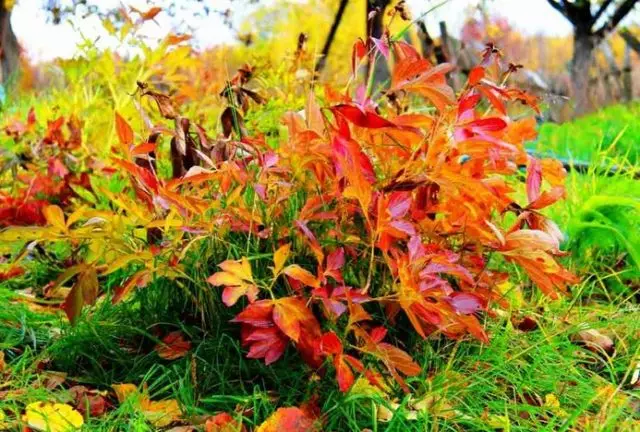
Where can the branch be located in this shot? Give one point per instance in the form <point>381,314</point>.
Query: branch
<point>332,33</point>
<point>631,40</point>
<point>557,6</point>
<point>603,8</point>
<point>620,13</point>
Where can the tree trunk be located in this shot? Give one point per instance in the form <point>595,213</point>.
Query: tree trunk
<point>9,48</point>
<point>332,34</point>
<point>375,28</point>
<point>584,44</point>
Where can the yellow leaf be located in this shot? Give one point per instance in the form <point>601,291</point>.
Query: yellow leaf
<point>362,387</point>
<point>158,413</point>
<point>162,413</point>
<point>3,365</point>
<point>55,217</point>
<point>280,257</point>
<point>27,233</point>
<point>52,417</point>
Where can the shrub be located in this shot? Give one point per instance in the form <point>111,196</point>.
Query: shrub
<point>361,220</point>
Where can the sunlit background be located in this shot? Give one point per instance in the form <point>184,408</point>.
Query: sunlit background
<point>44,40</point>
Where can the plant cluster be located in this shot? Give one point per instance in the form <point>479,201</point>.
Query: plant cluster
<point>360,227</point>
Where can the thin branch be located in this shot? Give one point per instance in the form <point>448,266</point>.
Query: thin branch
<point>557,6</point>
<point>631,40</point>
<point>332,33</point>
<point>603,8</point>
<point>623,10</point>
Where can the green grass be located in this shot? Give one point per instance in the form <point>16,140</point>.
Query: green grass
<point>468,386</point>
<point>509,384</point>
<point>613,132</point>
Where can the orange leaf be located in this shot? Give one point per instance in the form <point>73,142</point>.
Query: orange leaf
<point>420,76</point>
<point>298,273</point>
<point>143,149</point>
<point>55,217</point>
<point>149,14</point>
<point>174,39</point>
<point>280,257</point>
<point>125,133</point>
<point>289,314</point>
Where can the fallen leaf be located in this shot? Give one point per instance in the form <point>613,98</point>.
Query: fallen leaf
<point>223,422</point>
<point>173,346</point>
<point>54,379</point>
<point>290,419</point>
<point>123,391</point>
<point>525,324</point>
<point>52,417</point>
<point>594,341</point>
<point>159,413</point>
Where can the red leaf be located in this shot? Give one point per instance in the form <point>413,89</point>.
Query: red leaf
<point>173,346</point>
<point>258,314</point>
<point>13,272</point>
<point>88,402</point>
<point>344,375</point>
<point>489,124</point>
<point>267,343</point>
<point>378,334</point>
<point>330,344</point>
<point>475,75</point>
<point>358,52</point>
<point>31,118</point>
<point>361,118</point>
<point>223,422</point>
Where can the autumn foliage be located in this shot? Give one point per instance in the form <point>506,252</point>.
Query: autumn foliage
<point>366,224</point>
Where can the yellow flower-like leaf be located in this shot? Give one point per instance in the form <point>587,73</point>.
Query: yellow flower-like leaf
<point>52,417</point>
<point>237,279</point>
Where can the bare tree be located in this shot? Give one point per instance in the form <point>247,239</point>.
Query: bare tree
<point>591,22</point>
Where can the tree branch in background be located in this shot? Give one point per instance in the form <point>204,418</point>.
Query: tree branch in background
<point>560,8</point>
<point>603,8</point>
<point>631,40</point>
<point>331,36</point>
<point>623,10</point>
